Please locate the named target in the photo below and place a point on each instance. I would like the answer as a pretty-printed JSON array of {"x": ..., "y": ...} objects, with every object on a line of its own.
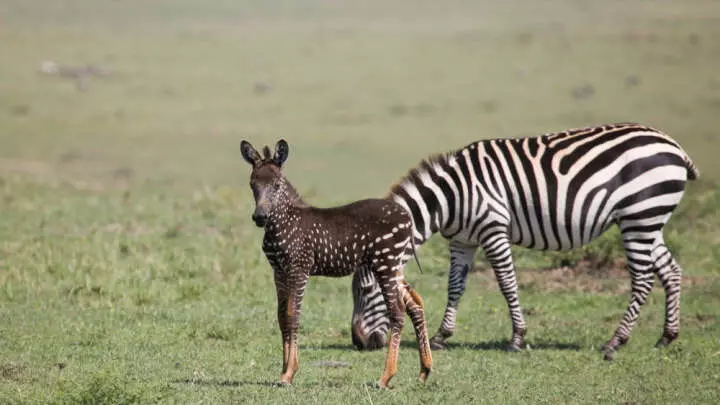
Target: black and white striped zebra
[{"x": 557, "y": 191}]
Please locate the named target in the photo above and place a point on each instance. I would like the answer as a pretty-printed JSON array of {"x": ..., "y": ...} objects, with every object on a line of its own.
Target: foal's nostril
[{"x": 259, "y": 219}]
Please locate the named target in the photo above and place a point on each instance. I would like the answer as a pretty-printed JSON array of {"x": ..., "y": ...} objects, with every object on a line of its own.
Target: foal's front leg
[{"x": 290, "y": 288}]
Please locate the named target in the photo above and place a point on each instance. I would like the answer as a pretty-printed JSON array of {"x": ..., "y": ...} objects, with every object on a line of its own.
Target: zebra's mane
[{"x": 425, "y": 165}]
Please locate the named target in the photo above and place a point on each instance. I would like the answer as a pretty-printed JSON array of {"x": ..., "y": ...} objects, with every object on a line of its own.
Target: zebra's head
[{"x": 269, "y": 187}]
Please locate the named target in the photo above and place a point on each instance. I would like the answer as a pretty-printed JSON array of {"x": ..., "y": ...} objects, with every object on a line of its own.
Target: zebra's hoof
[
  {"x": 662, "y": 343},
  {"x": 513, "y": 348},
  {"x": 608, "y": 353},
  {"x": 437, "y": 344},
  {"x": 666, "y": 339}
]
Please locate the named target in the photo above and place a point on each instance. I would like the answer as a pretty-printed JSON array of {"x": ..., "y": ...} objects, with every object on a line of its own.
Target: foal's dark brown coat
[{"x": 302, "y": 241}]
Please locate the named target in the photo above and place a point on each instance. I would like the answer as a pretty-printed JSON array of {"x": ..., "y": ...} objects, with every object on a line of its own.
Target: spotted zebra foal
[{"x": 302, "y": 241}]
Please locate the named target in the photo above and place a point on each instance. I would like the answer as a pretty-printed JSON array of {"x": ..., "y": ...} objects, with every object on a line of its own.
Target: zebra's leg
[
  {"x": 640, "y": 265},
  {"x": 389, "y": 279},
  {"x": 290, "y": 290},
  {"x": 461, "y": 261},
  {"x": 498, "y": 253},
  {"x": 415, "y": 310},
  {"x": 670, "y": 275},
  {"x": 369, "y": 324}
]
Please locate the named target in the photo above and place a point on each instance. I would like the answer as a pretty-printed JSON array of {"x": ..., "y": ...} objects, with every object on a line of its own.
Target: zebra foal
[
  {"x": 558, "y": 191},
  {"x": 302, "y": 241}
]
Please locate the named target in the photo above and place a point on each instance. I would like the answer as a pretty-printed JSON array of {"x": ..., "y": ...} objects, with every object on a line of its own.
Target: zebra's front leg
[
  {"x": 369, "y": 324},
  {"x": 461, "y": 261},
  {"x": 498, "y": 253},
  {"x": 290, "y": 289}
]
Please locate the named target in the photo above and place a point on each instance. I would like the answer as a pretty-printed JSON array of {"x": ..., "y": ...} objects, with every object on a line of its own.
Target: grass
[{"x": 130, "y": 271}]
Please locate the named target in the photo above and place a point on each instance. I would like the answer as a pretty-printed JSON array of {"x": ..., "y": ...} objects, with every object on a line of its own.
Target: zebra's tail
[
  {"x": 693, "y": 171},
  {"x": 414, "y": 251}
]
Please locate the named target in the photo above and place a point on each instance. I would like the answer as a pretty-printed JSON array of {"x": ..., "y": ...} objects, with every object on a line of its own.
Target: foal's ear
[
  {"x": 281, "y": 152},
  {"x": 249, "y": 153}
]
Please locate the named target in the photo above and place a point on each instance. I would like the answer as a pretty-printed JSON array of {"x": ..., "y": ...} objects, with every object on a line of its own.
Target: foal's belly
[{"x": 334, "y": 271}]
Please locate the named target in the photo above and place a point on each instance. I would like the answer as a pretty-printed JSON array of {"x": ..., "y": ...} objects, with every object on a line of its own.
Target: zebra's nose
[{"x": 259, "y": 219}]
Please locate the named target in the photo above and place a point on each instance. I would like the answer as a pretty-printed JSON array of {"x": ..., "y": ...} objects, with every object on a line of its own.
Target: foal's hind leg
[
  {"x": 414, "y": 308},
  {"x": 670, "y": 275},
  {"x": 389, "y": 278}
]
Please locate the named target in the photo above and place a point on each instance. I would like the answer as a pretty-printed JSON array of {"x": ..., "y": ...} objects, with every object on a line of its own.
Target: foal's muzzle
[{"x": 259, "y": 220}]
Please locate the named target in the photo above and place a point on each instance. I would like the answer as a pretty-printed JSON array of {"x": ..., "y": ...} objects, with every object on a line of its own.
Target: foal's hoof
[
  {"x": 424, "y": 375},
  {"x": 381, "y": 385}
]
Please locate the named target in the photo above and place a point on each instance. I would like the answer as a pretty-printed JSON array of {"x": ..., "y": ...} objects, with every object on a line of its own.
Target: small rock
[{"x": 583, "y": 92}]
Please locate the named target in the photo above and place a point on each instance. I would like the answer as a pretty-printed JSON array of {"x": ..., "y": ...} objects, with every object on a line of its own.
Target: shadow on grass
[
  {"x": 501, "y": 345},
  {"x": 224, "y": 383},
  {"x": 411, "y": 344},
  {"x": 269, "y": 384}
]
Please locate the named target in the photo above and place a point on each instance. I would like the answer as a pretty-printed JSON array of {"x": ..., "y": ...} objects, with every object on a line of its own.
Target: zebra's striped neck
[{"x": 429, "y": 200}]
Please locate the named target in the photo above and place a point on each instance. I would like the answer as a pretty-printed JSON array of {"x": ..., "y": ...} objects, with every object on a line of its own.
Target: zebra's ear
[
  {"x": 249, "y": 153},
  {"x": 281, "y": 152}
]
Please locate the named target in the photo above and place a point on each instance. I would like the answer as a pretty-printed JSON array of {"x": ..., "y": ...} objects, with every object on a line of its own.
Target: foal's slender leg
[
  {"x": 290, "y": 290},
  {"x": 414, "y": 308},
  {"x": 388, "y": 279}
]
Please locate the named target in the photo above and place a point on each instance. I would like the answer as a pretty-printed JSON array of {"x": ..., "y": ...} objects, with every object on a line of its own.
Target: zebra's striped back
[{"x": 556, "y": 192}]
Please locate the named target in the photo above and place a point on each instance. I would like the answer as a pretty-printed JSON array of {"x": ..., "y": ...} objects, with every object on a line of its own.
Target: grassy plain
[{"x": 130, "y": 271}]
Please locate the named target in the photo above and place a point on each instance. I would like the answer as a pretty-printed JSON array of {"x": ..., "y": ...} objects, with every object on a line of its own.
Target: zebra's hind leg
[
  {"x": 461, "y": 261},
  {"x": 498, "y": 253},
  {"x": 638, "y": 246},
  {"x": 670, "y": 275}
]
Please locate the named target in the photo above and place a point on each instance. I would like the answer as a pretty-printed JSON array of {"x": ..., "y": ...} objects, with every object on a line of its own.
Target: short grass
[{"x": 131, "y": 273}]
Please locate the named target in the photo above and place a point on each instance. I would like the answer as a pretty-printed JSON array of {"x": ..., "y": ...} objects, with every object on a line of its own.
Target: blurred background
[
  {"x": 130, "y": 271},
  {"x": 108, "y": 93}
]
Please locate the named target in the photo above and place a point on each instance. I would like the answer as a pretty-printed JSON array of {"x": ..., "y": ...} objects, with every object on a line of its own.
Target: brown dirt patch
[
  {"x": 584, "y": 277},
  {"x": 11, "y": 371}
]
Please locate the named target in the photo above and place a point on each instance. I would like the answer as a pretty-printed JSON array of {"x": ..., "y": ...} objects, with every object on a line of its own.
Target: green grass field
[{"x": 130, "y": 271}]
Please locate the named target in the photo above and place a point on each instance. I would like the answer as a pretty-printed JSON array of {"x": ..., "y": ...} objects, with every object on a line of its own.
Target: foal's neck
[{"x": 287, "y": 208}]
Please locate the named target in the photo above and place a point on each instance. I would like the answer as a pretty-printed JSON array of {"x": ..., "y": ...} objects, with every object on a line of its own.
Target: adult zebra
[{"x": 558, "y": 191}]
